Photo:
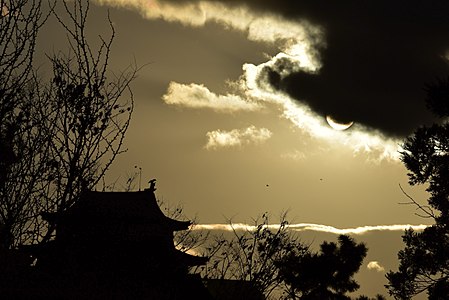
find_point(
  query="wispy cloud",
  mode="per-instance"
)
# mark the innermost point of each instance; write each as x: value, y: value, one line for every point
x: 374, y: 265
x: 298, y: 38
x: 198, y: 96
x: 237, y: 137
x: 312, y: 227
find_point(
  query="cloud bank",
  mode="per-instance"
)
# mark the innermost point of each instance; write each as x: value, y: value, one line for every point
x: 236, y: 137
x: 312, y: 227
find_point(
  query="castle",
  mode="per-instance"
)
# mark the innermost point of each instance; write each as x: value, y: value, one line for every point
x: 118, y: 245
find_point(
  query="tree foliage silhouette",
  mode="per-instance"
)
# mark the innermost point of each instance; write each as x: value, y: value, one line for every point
x: 251, y: 255
x: 377, y: 297
x: 327, y: 274
x: 424, y: 262
x: 278, y: 263
x: 58, y: 136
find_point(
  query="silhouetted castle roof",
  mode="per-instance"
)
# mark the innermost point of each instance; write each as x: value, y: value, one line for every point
x: 118, y: 219
x: 131, y: 207
x: 121, y: 240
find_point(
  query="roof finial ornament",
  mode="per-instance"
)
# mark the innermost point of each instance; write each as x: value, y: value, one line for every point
x: 152, y: 183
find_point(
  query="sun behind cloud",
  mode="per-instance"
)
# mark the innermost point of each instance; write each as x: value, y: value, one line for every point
x: 299, y: 43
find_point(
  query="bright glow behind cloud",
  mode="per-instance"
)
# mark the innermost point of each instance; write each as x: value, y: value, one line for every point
x: 198, y: 96
x: 255, y: 84
x: 237, y: 137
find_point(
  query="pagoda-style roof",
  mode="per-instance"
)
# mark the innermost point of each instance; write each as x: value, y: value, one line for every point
x: 135, y: 207
x: 119, y: 222
x: 138, y: 208
x: 191, y: 260
x: 121, y: 240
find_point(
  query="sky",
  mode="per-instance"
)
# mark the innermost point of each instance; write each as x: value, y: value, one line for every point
x: 232, y: 100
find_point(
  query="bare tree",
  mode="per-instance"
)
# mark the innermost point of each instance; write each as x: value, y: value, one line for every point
x: 186, y: 240
x: 88, y: 114
x: 23, y: 154
x: 252, y: 255
x: 58, y: 136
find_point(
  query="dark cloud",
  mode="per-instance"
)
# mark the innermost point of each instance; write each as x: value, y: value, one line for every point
x: 376, y: 63
x: 377, y: 59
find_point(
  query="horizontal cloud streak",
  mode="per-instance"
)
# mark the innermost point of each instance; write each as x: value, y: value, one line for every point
x: 198, y: 96
x: 237, y: 137
x: 312, y: 227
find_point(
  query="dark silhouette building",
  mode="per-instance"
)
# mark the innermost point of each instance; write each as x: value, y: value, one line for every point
x: 118, y: 245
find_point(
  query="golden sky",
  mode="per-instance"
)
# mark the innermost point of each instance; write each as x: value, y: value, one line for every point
x: 230, y: 110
